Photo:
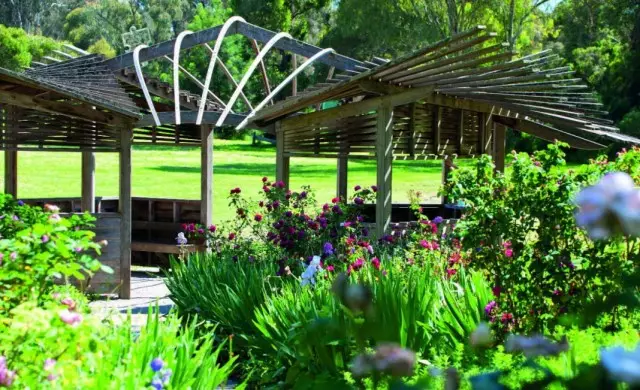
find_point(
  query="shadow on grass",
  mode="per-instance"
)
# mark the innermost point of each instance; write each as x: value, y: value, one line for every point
x: 239, y: 146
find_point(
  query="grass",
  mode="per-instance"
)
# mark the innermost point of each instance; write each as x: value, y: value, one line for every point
x: 171, y: 172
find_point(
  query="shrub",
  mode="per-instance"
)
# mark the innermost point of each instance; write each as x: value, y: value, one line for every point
x: 48, y: 348
x: 39, y: 248
x: 520, y: 231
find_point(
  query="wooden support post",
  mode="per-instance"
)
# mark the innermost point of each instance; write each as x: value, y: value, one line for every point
x: 341, y: 190
x: 11, y: 172
x: 88, y: 182
x: 435, y: 127
x: 10, y: 156
x: 282, y: 161
x: 412, y: 129
x: 206, y: 175
x: 384, y: 159
x: 489, y: 126
x: 460, y: 131
x: 124, y: 207
x: 500, y: 137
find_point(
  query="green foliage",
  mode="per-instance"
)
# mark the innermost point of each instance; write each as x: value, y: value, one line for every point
x: 220, y: 290
x: 92, y: 354
x: 18, y: 49
x: 103, y: 48
x: 630, y: 124
x: 40, y: 248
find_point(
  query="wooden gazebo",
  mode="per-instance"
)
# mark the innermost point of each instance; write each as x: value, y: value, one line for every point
x: 455, y: 97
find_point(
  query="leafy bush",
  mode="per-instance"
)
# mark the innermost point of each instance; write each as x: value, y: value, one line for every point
x: 521, y: 232
x: 39, y: 248
x: 54, y: 347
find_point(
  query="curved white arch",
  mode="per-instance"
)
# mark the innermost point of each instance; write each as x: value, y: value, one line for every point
x: 212, y: 63
x: 284, y: 84
x: 248, y: 74
x: 143, y: 84
x: 176, y: 72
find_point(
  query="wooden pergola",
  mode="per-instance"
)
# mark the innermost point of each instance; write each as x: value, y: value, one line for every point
x: 455, y: 97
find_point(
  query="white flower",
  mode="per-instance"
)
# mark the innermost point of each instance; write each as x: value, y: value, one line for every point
x: 308, y: 276
x: 622, y: 365
x: 181, y: 239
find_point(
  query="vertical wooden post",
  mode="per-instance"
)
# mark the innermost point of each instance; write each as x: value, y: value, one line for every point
x: 124, y: 207
x: 206, y: 175
x: 500, y: 137
x: 341, y: 190
x: 460, y: 131
x: 435, y: 128
x: 11, y: 172
x: 282, y: 161
x: 412, y: 129
x: 88, y: 182
x: 10, y: 156
x: 384, y: 159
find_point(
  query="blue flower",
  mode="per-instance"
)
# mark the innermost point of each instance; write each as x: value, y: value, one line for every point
x: 157, y: 364
x: 327, y: 248
x: 20, y: 203
x: 438, y: 219
x: 157, y: 384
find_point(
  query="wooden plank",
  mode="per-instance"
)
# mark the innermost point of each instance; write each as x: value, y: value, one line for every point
x: 500, y: 137
x: 384, y: 160
x: 88, y: 182
x: 11, y: 172
x: 139, y: 246
x: 206, y: 175
x: 549, y: 133
x: 282, y: 160
x: 124, y: 207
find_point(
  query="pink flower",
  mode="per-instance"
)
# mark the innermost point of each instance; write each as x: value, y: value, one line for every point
x: 1, y: 257
x: 69, y: 303
x: 212, y: 228
x: 13, y: 255
x: 51, y: 208
x: 280, y: 184
x: 425, y: 244
x: 70, y: 318
x: 451, y: 271
x: 330, y: 268
x: 335, y: 200
x: 54, y: 218
x: 508, y: 252
x: 264, y: 179
x: 358, y: 264
x: 375, y: 262
x: 44, y: 238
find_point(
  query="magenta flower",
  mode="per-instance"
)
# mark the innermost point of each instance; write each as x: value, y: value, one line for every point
x: 330, y: 268
x: 375, y: 262
x: 258, y: 217
x: 358, y: 263
x: 425, y: 244
x: 264, y: 179
x: 232, y: 236
x: 70, y: 318
x: 508, y: 252
x: 357, y: 188
x: 280, y: 184
x: 374, y: 188
x: 496, y: 290
x: 488, y: 309
x: 212, y: 228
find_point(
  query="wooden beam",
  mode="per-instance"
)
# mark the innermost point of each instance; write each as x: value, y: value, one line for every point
x: 169, y: 118
x: 82, y: 111
x: 206, y: 175
x: 124, y: 208
x: 384, y: 160
x: 88, y: 202
x: 549, y: 133
x: 282, y: 159
x: 436, y: 128
x: 500, y: 138
x: 294, y: 82
x: 11, y: 173
x: 249, y: 30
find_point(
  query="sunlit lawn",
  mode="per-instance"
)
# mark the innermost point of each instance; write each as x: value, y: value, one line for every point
x: 175, y: 173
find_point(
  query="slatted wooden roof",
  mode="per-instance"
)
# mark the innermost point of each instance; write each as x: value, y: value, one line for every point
x: 467, y: 73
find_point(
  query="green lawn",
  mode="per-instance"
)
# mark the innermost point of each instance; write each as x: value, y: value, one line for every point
x: 175, y: 173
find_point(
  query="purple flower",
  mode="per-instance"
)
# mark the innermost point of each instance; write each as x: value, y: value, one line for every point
x: 20, y: 203
x: 49, y: 364
x: 288, y: 214
x: 489, y: 307
x: 70, y: 318
x: 15, y: 218
x: 327, y: 248
x: 357, y: 188
x: 181, y: 239
x: 374, y: 188
x: 44, y: 238
x: 438, y: 219
x: 156, y: 364
x: 336, y: 209
x: 6, y: 376
x: 13, y: 255
x: 276, y: 204
x: 358, y: 200
x: 303, y: 194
